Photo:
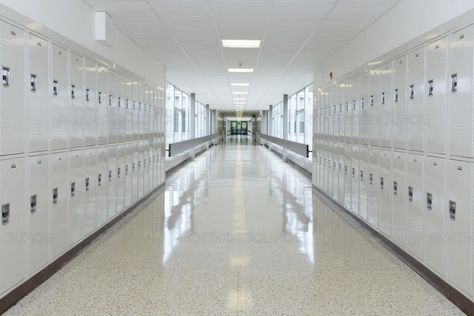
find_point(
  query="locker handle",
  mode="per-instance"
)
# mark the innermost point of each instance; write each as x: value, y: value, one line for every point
x: 32, y: 82
x: 5, y: 76
x: 452, y: 210
x: 372, y: 100
x: 430, y: 88
x: 55, y: 87
x: 410, y: 194
x: 412, y: 91
x: 429, y: 201
x: 362, y: 103
x: 454, y: 82
x: 73, y: 93
x: 353, y: 172
x: 119, y: 101
x: 396, y: 95
x: 126, y: 170
x: 33, y: 199
x: 118, y: 173
x: 110, y: 175
x: 361, y: 175
x: 100, y: 97
x: 345, y: 170
x: 87, y: 94
x: 73, y: 189
x: 55, y: 196
x: 126, y: 103
x: 353, y: 105
x: 87, y: 184
x: 395, y: 187
x: 383, y: 98
x: 99, y: 179
x: 5, y: 213
x: 371, y: 178
x: 110, y: 100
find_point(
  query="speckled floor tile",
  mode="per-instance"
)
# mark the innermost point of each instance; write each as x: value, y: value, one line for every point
x: 236, y: 232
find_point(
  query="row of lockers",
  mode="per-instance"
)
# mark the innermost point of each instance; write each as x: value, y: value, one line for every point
x: 421, y: 101
x: 422, y: 203
x: 66, y: 100
x: 51, y: 202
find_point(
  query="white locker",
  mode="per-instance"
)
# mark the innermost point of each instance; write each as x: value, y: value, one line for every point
x: 386, y: 105
x: 330, y: 114
x: 58, y: 203
x: 12, y: 118
x: 120, y: 177
x: 435, y: 101
x: 136, y: 114
x: 102, y: 106
x: 373, y: 187
x: 59, y: 101
x: 458, y: 218
x: 90, y: 188
x: 364, y: 110
x: 325, y: 172
x: 363, y: 182
x: 347, y: 177
x: 76, y: 196
x: 12, y: 203
x: 135, y: 173
x: 113, y: 109
x: 399, y: 103
x: 102, y: 186
x: 38, y: 95
x: 90, y: 103
x: 340, y: 171
x: 76, y: 90
x: 341, y: 122
x: 141, y: 115
x: 111, y: 181
x: 128, y: 174
x: 399, y: 195
x: 154, y: 179
x: 329, y: 189
x: 336, y: 115
x: 415, y: 99
x: 141, y: 172
x: 347, y: 117
x: 355, y: 180
x: 355, y: 108
x: 129, y: 111
x: 335, y: 175
x: 121, y: 110
x: 434, y: 208
x: 317, y: 175
x: 147, y: 166
x: 38, y: 214
x: 373, y: 105
x: 385, y: 193
x: 414, y: 210
x: 460, y: 108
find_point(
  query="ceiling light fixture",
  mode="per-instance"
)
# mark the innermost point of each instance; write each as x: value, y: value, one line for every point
x: 241, y: 43
x: 240, y: 99
x: 240, y: 84
x: 240, y: 70
x: 240, y: 92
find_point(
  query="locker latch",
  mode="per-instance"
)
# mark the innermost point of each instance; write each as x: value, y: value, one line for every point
x: 381, y: 183
x: 395, y: 187
x: 110, y: 100
x: 353, y: 173
x: 55, y: 87
x: 340, y: 166
x: 410, y: 194
x: 430, y: 88
x: 33, y: 204
x: 362, y: 103
x: 126, y: 170
x: 99, y: 97
x: 118, y: 172
x: 55, y: 196
x: 396, y: 95
x: 412, y: 91
x: 345, y: 170
x: 119, y: 101
x: 361, y: 175
x: 87, y: 184
x: 32, y: 83
x: 126, y: 103
x: 452, y: 210
x: 133, y: 167
x: 372, y: 100
x: 87, y: 95
x: 371, y: 178
x: 5, y: 213
x: 454, y: 82
x: 99, y: 179
x: 110, y: 175
x: 429, y: 200
x: 353, y: 105
x: 382, y: 99
x: 5, y: 76
x: 73, y: 189
x: 347, y: 106
x: 73, y: 92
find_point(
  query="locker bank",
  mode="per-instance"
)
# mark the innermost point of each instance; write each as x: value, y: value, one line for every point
x: 123, y: 189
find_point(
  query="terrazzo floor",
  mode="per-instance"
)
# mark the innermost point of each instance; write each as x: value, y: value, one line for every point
x: 236, y: 232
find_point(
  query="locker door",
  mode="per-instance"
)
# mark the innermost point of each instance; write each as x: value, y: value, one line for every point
x: 121, y: 126
x: 347, y: 177
x: 373, y: 105
x: 363, y: 182
x: 364, y: 108
x: 120, y: 178
x: 37, y: 213
x: 330, y: 109
x: 12, y: 202
x: 341, y: 176
x: 355, y: 180
x: 135, y: 116
x: 458, y: 218
x: 329, y: 190
x: 129, y: 110
x: 335, y: 110
x: 335, y: 176
x: 398, y: 198
x: 102, y: 186
x: 434, y: 205
x: 317, y: 167
x: 435, y: 104
x: 341, y: 123
x: 12, y: 106
x: 415, y: 99
x: 414, y: 219
x: 373, y: 188
x: 76, y: 90
x: 135, y: 172
x: 91, y: 190
x: 58, y: 203
x: 348, y: 119
x: 355, y: 107
x: 386, y: 105
x: 111, y: 181
x: 141, y: 116
x: 385, y: 193
x: 102, y: 106
x: 128, y: 175
x: 38, y: 95
x: 460, y: 109
x: 76, y: 196
x: 90, y: 103
x: 112, y: 108
x: 399, y: 103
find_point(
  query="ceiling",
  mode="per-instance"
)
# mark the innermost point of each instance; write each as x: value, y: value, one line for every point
x: 296, y: 35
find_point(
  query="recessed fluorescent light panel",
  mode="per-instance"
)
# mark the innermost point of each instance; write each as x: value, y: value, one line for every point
x: 240, y: 99
x: 241, y: 70
x: 240, y: 84
x: 240, y: 43
x: 240, y: 92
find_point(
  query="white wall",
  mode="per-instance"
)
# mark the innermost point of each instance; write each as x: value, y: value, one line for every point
x: 74, y: 20
x: 408, y: 20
